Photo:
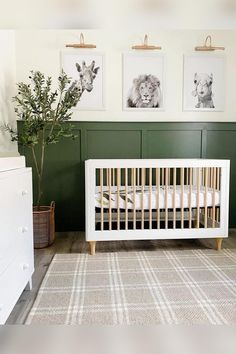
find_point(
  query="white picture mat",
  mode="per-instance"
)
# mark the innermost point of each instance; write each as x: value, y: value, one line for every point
x: 135, y: 64
x: 94, y: 100
x: 204, y: 63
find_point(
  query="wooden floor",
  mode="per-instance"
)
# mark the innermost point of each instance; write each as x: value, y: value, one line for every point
x: 73, y: 242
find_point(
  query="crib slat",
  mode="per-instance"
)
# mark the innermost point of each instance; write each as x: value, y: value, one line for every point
x: 166, y: 197
x: 109, y: 191
x: 218, y: 178
x: 209, y: 210
x: 218, y: 189
x: 118, y: 198
x: 211, y: 185
x: 142, y: 198
x: 214, y: 197
x: 182, y: 197
x: 198, y: 196
x: 101, y: 193
x: 157, y: 196
x: 190, y: 196
x: 150, y: 198
x: 205, y: 197
x: 174, y: 198
x: 133, y: 178
x: 126, y: 199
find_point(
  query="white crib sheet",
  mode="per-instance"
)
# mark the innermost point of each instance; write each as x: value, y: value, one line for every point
x: 162, y: 193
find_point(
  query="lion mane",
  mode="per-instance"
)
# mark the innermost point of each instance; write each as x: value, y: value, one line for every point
x: 145, y: 92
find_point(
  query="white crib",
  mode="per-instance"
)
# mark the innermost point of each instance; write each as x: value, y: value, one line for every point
x: 156, y: 199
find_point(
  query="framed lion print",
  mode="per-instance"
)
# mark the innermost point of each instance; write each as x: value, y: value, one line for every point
x: 204, y: 82
x: 143, y: 81
x: 87, y: 69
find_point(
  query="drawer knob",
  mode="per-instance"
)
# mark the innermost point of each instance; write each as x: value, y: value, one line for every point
x: 25, y: 266
x: 23, y: 229
x: 24, y: 192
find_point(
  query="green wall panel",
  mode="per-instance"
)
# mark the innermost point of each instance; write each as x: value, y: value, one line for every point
x: 65, y: 175
x: 64, y: 170
x: 63, y: 182
x: 173, y: 143
x: 113, y: 144
x: 222, y: 145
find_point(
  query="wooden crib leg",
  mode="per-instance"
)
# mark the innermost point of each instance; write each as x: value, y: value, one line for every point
x: 218, y: 243
x: 92, y: 247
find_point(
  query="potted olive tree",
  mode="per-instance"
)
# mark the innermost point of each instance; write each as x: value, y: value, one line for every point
x: 43, y: 112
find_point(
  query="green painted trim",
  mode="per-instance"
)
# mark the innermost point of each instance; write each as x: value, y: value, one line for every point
x: 143, y: 152
x: 203, y: 143
x: 83, y: 144
x: 158, y: 125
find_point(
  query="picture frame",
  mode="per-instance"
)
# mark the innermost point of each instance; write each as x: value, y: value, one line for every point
x: 143, y: 81
x: 204, y: 83
x: 88, y: 68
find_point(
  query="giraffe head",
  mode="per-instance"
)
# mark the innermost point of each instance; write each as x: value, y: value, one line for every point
x: 87, y: 75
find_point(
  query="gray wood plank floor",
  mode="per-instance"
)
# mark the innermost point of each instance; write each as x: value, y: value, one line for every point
x: 73, y: 242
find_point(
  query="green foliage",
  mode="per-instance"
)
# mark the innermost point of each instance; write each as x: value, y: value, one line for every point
x: 44, y: 112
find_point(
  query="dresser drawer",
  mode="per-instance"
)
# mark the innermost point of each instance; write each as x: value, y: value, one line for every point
x: 24, y: 238
x: 15, y: 215
x: 12, y: 282
x: 16, y: 237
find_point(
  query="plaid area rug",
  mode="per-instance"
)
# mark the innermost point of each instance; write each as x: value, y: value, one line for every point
x: 145, y: 288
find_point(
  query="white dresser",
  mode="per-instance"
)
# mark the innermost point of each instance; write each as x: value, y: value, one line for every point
x: 16, y: 232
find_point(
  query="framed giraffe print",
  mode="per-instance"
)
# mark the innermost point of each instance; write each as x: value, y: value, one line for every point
x: 143, y: 81
x: 87, y: 69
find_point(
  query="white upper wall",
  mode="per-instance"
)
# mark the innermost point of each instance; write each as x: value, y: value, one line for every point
x: 104, y: 14
x: 7, y: 88
x: 40, y: 50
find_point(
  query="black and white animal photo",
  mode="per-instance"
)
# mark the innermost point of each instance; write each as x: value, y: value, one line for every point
x: 87, y: 75
x: 87, y: 69
x: 203, y: 90
x: 145, y: 92
x: 204, y: 86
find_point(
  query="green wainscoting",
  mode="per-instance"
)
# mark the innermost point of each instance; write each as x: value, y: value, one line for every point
x: 173, y: 143
x: 64, y: 166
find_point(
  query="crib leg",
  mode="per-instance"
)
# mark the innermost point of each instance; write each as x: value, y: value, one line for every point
x: 92, y: 247
x: 218, y: 243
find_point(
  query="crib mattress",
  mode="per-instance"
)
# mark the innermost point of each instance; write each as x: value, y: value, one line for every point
x: 138, y: 199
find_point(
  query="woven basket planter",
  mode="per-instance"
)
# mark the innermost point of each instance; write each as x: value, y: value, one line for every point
x: 44, y: 225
